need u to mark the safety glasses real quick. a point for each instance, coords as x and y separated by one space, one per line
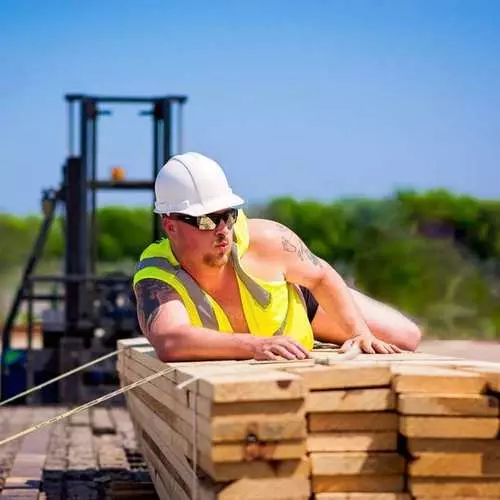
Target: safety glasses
209 222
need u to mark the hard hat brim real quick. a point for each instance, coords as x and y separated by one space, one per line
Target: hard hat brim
229 200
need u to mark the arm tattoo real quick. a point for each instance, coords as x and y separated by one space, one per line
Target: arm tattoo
280 227
293 244
151 294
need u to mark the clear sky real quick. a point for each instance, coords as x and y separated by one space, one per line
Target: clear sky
315 99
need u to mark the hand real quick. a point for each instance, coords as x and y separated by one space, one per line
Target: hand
279 347
370 344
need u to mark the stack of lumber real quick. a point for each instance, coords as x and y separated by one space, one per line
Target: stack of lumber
379 427
450 418
234 431
352 432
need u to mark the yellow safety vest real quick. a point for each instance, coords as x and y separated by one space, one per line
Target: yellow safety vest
270 308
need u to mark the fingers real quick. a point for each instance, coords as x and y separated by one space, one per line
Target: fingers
370 345
282 348
283 351
367 346
268 355
347 345
390 348
302 349
396 349
382 348
385 348
297 351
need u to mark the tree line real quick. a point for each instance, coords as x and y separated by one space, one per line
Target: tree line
436 254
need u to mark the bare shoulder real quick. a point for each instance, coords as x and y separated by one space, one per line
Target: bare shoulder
269 237
262 228
265 235
151 295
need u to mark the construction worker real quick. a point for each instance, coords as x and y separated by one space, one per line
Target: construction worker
221 286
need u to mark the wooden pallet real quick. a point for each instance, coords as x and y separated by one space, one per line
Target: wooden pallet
91 455
390 427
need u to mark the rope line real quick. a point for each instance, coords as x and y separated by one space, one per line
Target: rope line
60 377
351 353
85 406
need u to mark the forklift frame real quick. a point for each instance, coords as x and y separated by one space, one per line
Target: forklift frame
78 193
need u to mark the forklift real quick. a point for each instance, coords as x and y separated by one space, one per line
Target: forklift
88 312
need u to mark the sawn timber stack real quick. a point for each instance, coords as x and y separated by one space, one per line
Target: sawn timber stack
381 427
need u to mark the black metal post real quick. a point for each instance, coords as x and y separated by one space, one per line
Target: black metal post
158 110
75 236
50 210
71 129
167 130
93 192
180 128
30 314
28 270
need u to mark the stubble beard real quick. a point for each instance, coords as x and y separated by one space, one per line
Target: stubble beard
219 257
216 260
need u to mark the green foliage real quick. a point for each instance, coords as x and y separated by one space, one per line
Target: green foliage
15 238
435 255
123 232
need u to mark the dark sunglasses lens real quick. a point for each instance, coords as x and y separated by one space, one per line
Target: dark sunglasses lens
205 223
211 221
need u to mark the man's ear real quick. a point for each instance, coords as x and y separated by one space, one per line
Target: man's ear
168 224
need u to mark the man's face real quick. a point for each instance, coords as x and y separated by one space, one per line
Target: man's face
195 240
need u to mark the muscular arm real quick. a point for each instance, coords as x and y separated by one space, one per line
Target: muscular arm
300 266
164 320
343 312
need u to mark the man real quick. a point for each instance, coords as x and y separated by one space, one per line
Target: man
221 286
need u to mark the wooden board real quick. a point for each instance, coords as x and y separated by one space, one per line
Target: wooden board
489 447
467 487
454 498
226 382
344 376
335 464
364 421
352 400
352 441
358 484
259 420
431 464
27 471
362 496
229 428
289 488
184 400
491 374
429 379
256 386
449 427
448 404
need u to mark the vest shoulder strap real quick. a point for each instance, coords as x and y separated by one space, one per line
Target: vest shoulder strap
200 300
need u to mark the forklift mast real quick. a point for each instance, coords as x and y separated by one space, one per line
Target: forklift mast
69 333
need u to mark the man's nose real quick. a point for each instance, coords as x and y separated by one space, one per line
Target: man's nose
222 227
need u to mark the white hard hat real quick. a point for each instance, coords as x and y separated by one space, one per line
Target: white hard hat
193 184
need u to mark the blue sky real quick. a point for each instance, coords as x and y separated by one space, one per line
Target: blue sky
314 99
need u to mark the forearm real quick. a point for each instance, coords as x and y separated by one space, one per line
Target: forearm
189 343
335 298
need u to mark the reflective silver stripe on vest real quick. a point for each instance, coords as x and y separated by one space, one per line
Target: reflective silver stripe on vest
260 295
281 329
203 306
